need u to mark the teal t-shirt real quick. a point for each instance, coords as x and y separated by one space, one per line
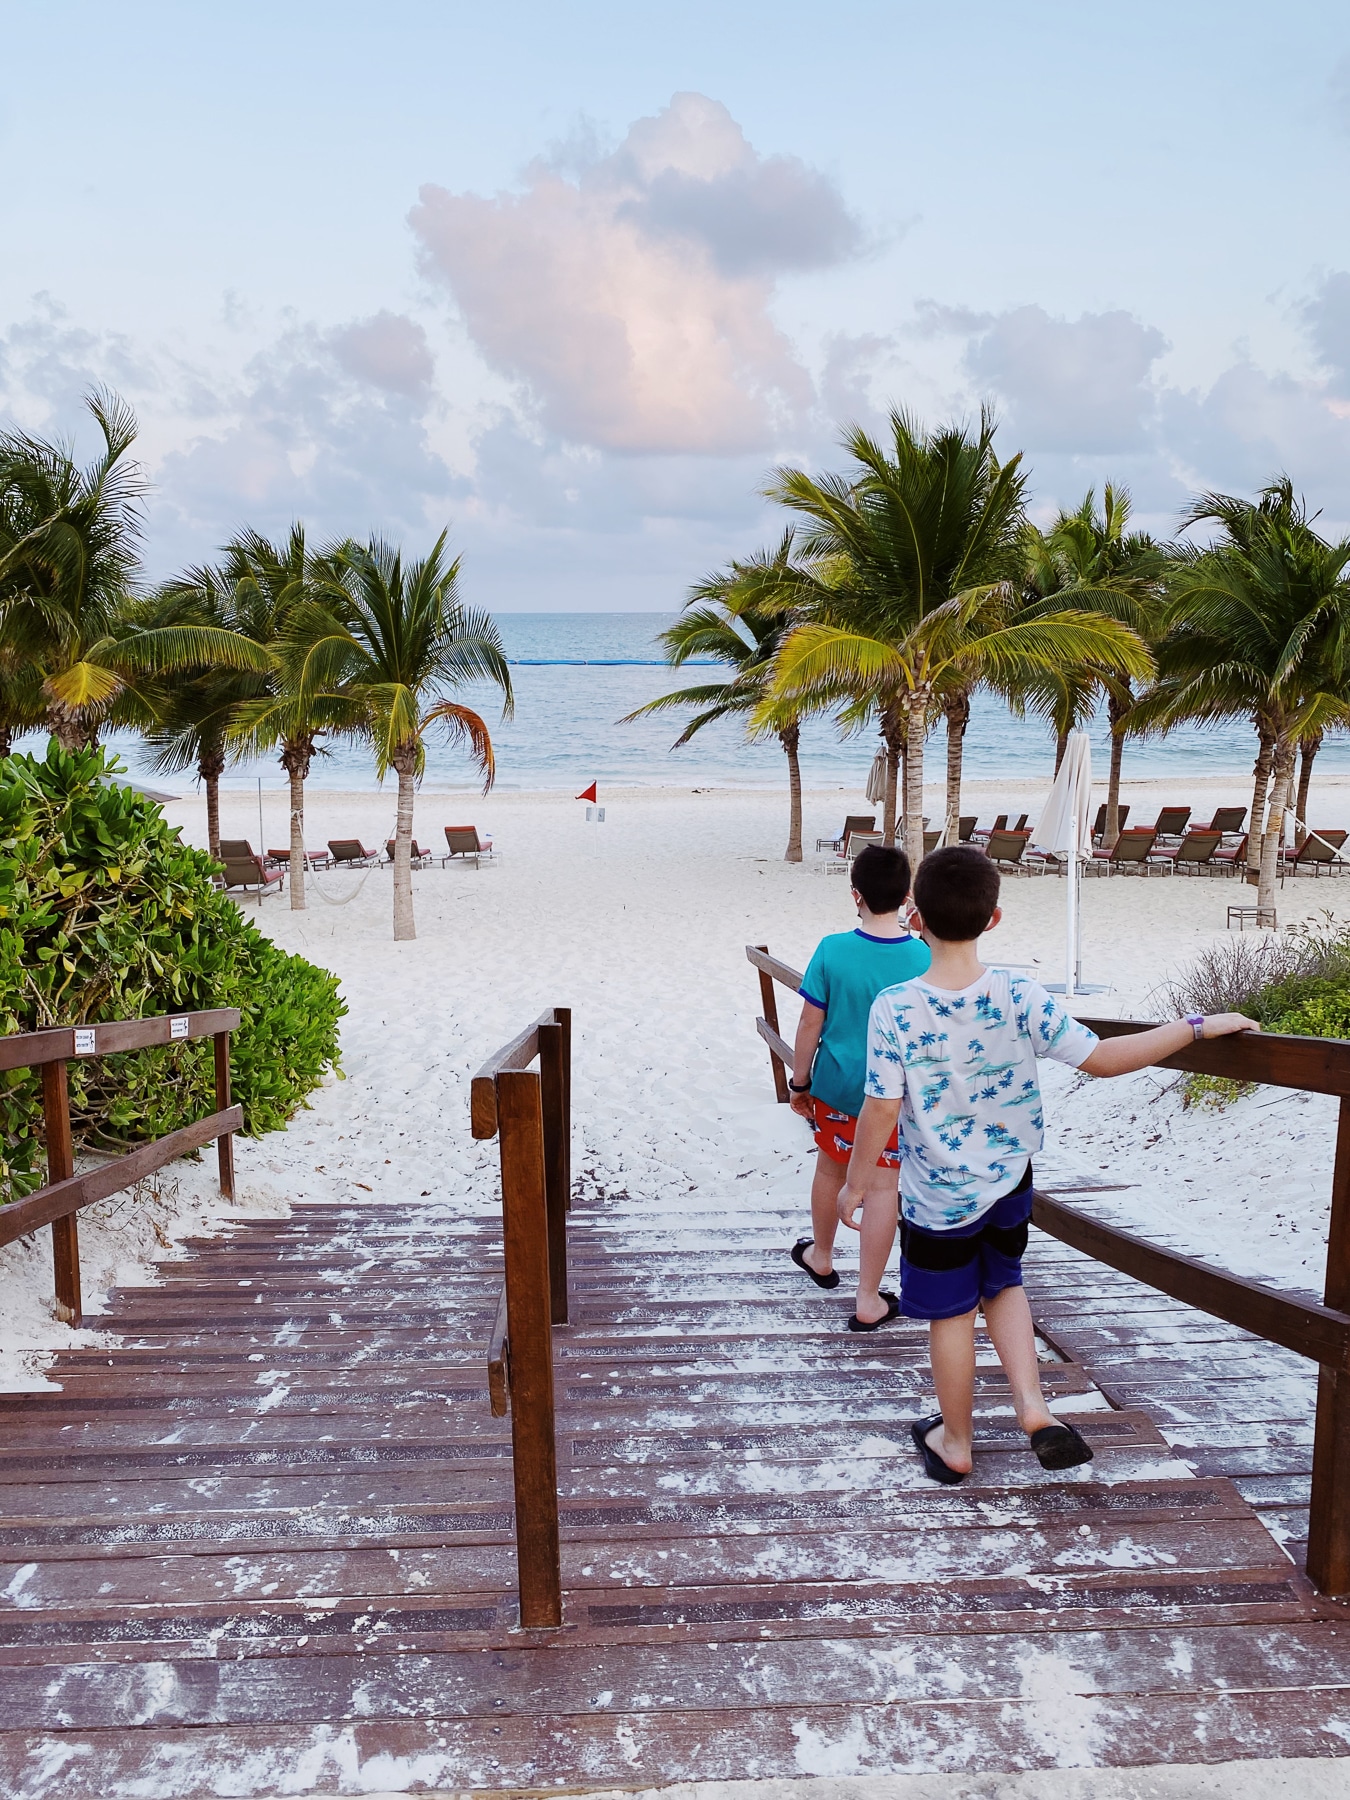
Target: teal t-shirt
843 978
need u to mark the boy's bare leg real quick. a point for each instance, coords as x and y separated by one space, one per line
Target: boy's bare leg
951 1345
825 1186
880 1217
1008 1317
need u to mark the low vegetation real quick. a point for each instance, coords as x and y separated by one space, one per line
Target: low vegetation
1296 981
105 914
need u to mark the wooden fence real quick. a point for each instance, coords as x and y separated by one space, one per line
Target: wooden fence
1321 1333
65 1192
529 1112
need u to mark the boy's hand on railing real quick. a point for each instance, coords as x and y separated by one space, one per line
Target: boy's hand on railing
849 1202
1225 1024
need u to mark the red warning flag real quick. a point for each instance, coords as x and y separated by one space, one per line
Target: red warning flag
589 794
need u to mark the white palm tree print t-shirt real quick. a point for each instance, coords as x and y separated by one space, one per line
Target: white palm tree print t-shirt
963 1067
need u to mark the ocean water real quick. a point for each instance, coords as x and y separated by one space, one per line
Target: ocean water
576 674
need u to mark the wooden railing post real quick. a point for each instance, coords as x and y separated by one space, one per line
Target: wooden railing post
553 1100
225 1142
1329 1521
563 1014
520 1127
60 1167
770 1005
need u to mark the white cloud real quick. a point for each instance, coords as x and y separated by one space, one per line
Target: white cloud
1081 385
388 350
632 299
1326 317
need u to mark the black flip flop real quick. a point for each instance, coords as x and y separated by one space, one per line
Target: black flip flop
933 1466
799 1250
1060 1447
892 1312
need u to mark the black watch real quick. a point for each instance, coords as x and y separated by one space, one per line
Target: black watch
805 1087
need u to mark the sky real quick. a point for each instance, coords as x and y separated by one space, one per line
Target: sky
571 282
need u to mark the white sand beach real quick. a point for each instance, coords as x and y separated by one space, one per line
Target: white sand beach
639 924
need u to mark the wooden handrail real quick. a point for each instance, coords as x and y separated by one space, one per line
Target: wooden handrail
529 1111
65 1193
1320 1333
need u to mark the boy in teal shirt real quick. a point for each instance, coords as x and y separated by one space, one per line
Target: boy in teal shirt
829 1069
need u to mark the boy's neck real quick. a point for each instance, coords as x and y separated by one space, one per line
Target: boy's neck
953 966
880 925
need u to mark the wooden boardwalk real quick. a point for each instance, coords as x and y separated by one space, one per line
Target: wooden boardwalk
264 1544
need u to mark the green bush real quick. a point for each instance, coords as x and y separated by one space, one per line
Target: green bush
104 914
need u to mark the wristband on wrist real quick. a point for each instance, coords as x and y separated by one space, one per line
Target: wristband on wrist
1196 1021
803 1087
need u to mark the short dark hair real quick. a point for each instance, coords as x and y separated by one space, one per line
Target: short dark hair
881 876
956 891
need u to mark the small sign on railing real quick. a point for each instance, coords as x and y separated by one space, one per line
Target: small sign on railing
178 1028
86 1043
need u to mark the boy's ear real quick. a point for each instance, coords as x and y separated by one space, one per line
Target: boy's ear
995 918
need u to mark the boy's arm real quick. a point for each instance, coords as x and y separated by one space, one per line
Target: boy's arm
1122 1055
876 1122
809 1028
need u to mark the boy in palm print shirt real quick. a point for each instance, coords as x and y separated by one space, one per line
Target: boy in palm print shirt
952 1056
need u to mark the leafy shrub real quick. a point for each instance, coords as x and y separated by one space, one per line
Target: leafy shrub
104 914
1213 1093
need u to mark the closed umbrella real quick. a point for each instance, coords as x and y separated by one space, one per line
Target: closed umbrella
876 779
1064 829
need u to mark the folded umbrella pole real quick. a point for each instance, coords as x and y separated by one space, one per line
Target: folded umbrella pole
1065 830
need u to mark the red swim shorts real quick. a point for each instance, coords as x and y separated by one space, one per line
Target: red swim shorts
834 1135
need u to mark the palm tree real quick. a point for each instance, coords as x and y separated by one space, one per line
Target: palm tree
727 617
271 583
386 646
1259 625
69 543
1087 560
920 542
192 730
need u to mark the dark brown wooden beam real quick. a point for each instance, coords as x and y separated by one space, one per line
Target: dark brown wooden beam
782 1050
1321 1333
1319 1065
61 1199
31 1049
499 1362
60 1169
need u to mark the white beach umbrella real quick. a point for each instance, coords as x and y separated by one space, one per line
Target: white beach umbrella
876 779
1065 828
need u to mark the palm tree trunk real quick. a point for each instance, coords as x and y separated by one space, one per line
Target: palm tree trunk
1260 788
210 766
1273 836
1311 745
893 733
957 709
917 731
404 760
1061 745
6 740
296 755
1117 708
790 738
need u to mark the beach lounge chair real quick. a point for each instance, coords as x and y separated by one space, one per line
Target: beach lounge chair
1231 857
420 857
1099 823
966 825
1319 852
464 844
1000 824
854 822
1195 851
930 841
1172 821
281 859
242 869
352 852
1021 824
1227 819
1007 848
1132 850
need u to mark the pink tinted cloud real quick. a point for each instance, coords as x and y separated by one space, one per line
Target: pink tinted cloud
633 300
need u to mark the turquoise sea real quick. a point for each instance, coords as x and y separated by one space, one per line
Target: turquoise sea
577 674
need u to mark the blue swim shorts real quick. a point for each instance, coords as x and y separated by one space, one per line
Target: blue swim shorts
944 1274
